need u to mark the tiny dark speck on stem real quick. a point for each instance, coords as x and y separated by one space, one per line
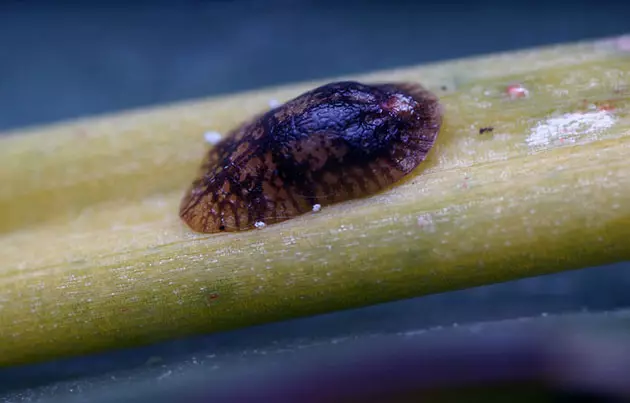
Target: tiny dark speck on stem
483 130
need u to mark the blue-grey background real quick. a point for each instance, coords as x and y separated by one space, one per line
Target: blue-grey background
60 60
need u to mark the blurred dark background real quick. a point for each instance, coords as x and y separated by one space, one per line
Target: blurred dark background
61 60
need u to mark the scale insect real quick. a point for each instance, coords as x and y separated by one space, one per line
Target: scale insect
341 141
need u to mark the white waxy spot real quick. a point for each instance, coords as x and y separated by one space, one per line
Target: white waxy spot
569 128
260 224
274 103
212 137
317 207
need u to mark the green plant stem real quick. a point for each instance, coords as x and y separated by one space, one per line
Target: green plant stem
94 256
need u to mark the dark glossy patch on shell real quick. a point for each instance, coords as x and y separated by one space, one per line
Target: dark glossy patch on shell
338 142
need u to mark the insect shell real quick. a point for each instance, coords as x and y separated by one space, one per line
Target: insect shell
341 141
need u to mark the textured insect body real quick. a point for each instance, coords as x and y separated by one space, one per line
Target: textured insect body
338 142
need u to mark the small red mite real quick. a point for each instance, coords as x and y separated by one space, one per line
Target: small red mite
515 91
337 142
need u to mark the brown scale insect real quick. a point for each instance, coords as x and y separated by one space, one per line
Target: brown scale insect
341 141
